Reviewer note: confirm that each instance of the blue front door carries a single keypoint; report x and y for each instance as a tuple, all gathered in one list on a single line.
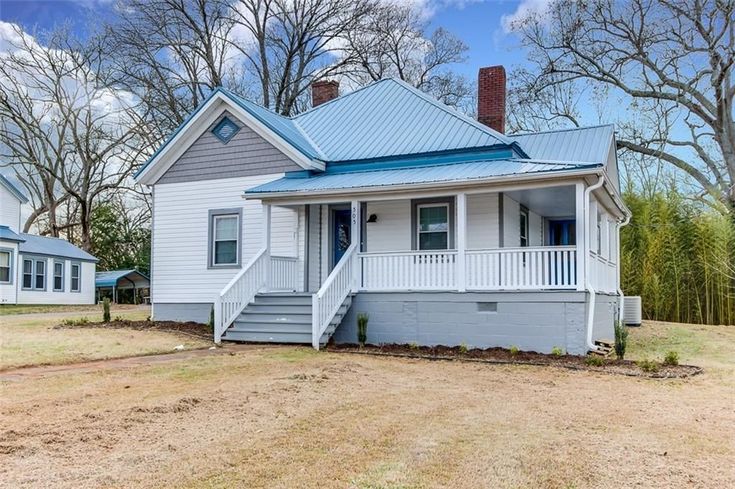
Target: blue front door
[(340, 234), (562, 232)]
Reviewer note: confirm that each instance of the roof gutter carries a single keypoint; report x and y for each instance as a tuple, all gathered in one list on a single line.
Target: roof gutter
[(389, 189), (591, 291)]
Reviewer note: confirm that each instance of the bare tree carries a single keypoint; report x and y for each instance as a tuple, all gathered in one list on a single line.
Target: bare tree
[(392, 42), (672, 60), (64, 127), (288, 44), (171, 54)]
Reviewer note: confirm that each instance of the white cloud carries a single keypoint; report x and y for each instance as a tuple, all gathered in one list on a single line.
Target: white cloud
[(526, 9)]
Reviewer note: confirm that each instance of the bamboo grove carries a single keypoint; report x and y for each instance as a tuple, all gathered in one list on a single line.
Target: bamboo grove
[(678, 256)]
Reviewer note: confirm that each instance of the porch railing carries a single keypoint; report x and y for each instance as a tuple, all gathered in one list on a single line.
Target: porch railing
[(542, 267), (533, 268), (284, 273), (409, 270), (603, 273), (239, 292), (332, 294)]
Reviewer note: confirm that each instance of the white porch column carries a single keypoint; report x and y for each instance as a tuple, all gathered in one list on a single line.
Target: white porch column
[(267, 242), (581, 227), (461, 241), (355, 230)]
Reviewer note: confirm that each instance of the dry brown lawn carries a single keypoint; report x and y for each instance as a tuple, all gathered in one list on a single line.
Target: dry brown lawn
[(290, 417), (32, 339)]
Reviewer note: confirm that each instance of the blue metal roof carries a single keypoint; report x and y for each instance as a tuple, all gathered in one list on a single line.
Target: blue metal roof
[(14, 188), (44, 245), (389, 118), (110, 278), (591, 144), (8, 234), (439, 173)]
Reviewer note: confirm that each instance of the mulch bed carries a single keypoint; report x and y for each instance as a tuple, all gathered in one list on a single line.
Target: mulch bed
[(197, 330), (504, 356)]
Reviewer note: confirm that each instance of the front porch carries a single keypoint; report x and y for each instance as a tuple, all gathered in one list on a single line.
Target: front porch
[(510, 240)]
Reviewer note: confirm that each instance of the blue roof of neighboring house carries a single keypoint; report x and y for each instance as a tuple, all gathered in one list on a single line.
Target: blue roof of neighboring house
[(438, 173), (8, 234), (13, 187), (44, 245), (577, 144), (110, 278)]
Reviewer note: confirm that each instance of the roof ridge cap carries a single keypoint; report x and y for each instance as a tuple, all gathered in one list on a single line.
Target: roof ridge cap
[(567, 129)]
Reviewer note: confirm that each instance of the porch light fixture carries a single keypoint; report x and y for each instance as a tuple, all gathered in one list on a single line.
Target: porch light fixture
[(373, 218)]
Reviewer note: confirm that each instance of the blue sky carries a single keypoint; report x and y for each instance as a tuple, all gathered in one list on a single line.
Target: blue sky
[(477, 22)]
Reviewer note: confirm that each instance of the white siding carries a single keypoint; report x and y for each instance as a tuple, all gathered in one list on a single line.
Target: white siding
[(8, 291), (314, 247), (9, 210), (482, 221), (48, 296), (393, 230), (180, 235), (535, 229)]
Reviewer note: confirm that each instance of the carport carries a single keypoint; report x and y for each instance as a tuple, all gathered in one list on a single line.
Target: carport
[(110, 283)]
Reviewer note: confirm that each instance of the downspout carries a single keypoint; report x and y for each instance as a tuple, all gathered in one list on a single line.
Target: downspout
[(591, 305), (617, 244)]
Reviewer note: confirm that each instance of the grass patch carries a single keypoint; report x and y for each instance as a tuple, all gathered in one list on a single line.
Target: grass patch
[(292, 355), (28, 341)]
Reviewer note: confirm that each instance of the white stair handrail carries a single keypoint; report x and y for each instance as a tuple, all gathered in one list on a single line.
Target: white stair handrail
[(239, 292), (332, 294)]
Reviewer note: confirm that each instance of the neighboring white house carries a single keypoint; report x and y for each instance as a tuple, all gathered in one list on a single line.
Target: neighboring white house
[(38, 269), (442, 228)]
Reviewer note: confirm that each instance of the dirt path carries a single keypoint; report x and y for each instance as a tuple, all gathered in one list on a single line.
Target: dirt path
[(290, 417)]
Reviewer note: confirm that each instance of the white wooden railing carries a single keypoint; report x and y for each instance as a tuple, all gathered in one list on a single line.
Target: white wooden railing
[(603, 273), (542, 267), (533, 268), (239, 292), (327, 301), (409, 270), (284, 273)]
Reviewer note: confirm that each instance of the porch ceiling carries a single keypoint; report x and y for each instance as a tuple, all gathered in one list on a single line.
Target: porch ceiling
[(547, 202)]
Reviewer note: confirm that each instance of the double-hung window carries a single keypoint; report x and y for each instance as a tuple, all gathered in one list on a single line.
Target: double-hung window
[(76, 283), (58, 276), (524, 227), (34, 274), (224, 238), (433, 227), (6, 266)]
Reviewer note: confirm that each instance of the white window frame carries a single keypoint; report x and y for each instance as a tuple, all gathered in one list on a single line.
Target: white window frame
[(78, 265), (23, 273), (212, 237), (53, 275), (418, 225), (34, 272), (10, 266), (524, 232)]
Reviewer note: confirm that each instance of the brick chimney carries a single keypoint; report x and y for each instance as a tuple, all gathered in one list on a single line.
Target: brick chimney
[(491, 97), (323, 91)]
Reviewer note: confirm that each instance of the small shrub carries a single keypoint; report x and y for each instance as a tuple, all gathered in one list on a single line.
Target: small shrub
[(649, 366), (557, 351), (621, 339), (594, 360), (362, 324), (118, 319), (106, 310), (463, 348), (75, 322), (671, 358), (514, 350), (413, 346), (210, 323)]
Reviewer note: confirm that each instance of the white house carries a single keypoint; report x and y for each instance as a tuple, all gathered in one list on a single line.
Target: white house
[(442, 228), (38, 269)]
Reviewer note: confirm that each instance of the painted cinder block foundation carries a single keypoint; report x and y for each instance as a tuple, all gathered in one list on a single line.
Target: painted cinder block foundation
[(533, 321)]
